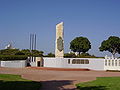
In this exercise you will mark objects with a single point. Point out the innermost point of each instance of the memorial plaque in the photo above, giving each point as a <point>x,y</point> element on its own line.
<point>60,44</point>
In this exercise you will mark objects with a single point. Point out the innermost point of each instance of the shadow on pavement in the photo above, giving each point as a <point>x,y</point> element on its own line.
<point>57,85</point>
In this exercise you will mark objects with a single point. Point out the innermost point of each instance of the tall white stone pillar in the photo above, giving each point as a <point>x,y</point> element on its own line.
<point>59,49</point>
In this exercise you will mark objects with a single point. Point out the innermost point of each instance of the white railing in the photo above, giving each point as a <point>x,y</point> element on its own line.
<point>111,63</point>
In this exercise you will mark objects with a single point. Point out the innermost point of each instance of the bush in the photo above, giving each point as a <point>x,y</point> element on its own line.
<point>19,53</point>
<point>8,51</point>
<point>12,57</point>
<point>50,55</point>
<point>69,55</point>
<point>85,55</point>
<point>82,55</point>
<point>27,52</point>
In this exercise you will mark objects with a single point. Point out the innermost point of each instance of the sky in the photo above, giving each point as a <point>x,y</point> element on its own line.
<point>94,19</point>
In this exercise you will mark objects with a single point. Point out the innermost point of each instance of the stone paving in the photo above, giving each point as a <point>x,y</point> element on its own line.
<point>57,80</point>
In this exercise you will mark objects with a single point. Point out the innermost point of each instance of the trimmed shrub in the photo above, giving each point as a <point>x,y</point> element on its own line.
<point>69,55</point>
<point>12,57</point>
<point>50,55</point>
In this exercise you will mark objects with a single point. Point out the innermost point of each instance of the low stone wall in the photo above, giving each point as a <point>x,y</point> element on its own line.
<point>87,63</point>
<point>33,64</point>
<point>14,64</point>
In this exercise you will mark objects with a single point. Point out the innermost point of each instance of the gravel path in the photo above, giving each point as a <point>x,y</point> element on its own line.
<point>57,80</point>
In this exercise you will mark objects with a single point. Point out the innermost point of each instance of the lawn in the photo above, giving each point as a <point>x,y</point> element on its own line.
<point>15,82</point>
<point>102,83</point>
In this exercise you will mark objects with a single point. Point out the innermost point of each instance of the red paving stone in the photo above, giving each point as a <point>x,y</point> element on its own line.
<point>57,80</point>
<point>59,69</point>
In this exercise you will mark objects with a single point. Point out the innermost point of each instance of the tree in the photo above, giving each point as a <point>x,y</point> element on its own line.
<point>35,53</point>
<point>112,44</point>
<point>26,52</point>
<point>80,44</point>
<point>119,50</point>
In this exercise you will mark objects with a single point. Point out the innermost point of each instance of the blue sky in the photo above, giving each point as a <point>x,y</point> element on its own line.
<point>94,19</point>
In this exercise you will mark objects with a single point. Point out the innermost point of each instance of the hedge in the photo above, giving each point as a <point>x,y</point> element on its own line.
<point>12,57</point>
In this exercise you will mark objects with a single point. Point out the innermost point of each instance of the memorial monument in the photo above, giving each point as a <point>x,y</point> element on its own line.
<point>59,50</point>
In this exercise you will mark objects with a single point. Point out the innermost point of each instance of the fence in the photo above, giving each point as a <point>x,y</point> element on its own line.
<point>111,63</point>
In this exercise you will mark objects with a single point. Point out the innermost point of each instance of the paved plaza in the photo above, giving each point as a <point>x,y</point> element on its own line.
<point>57,80</point>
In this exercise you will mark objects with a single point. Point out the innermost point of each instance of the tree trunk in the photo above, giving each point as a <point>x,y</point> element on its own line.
<point>113,54</point>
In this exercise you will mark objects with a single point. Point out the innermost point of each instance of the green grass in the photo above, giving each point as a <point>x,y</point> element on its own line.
<point>15,82</point>
<point>102,83</point>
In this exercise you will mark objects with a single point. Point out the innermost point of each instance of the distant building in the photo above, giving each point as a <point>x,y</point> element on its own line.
<point>9,46</point>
